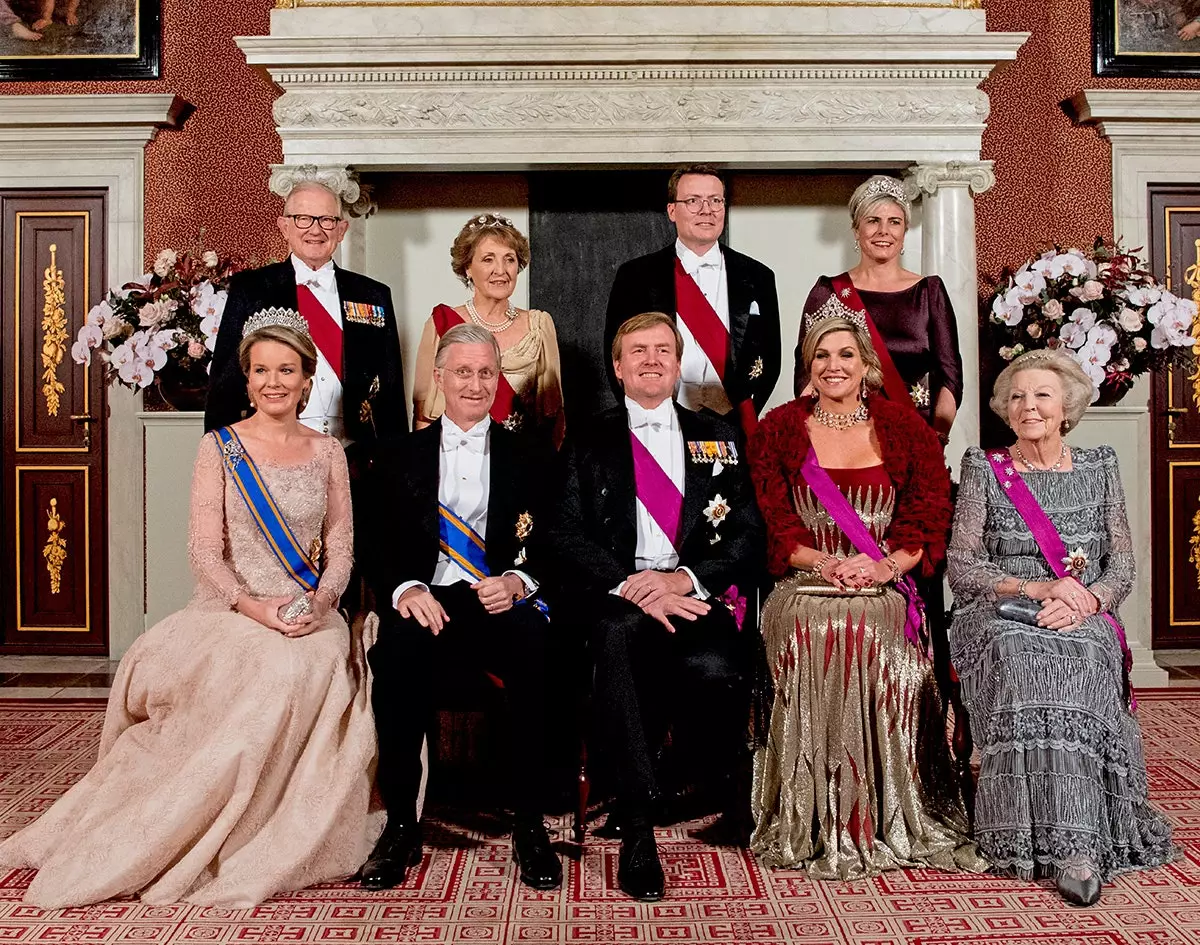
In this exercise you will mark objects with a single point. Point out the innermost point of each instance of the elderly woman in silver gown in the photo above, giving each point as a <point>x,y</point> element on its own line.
<point>1038,644</point>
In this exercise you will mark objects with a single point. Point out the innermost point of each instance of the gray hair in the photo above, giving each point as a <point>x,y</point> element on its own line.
<point>1076,386</point>
<point>465,335</point>
<point>875,190</point>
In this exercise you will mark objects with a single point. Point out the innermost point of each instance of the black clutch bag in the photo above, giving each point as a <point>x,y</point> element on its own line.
<point>1020,609</point>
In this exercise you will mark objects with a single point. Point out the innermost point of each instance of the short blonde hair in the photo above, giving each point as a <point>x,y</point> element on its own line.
<point>462,251</point>
<point>1076,386</point>
<point>641,323</point>
<point>876,190</point>
<point>866,350</point>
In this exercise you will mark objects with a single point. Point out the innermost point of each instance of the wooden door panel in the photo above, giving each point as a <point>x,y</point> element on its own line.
<point>1175,432</point>
<point>52,551</point>
<point>53,555</point>
<point>50,288</point>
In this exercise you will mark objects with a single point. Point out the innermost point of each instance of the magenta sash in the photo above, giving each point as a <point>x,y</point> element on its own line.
<point>843,514</point>
<point>658,493</point>
<point>1049,541</point>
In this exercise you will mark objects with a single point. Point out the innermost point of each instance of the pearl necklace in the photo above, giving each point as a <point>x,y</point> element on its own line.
<point>495,328</point>
<point>1062,456</point>
<point>839,421</point>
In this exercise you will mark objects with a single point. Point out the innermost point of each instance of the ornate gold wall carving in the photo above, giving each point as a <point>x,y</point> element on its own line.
<point>54,329</point>
<point>55,550</point>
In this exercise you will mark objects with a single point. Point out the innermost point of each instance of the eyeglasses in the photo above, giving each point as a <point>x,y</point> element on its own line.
<point>305,220</point>
<point>695,203</point>
<point>465,374</point>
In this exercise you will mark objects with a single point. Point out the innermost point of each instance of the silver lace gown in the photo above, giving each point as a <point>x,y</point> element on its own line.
<point>1062,780</point>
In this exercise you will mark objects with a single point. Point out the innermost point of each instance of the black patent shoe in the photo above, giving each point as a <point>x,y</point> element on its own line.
<point>639,872</point>
<point>537,863</point>
<point>398,848</point>
<point>1078,892</point>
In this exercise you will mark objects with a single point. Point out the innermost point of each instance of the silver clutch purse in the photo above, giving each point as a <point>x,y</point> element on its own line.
<point>296,608</point>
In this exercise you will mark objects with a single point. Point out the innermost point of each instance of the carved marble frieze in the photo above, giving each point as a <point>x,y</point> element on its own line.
<point>663,108</point>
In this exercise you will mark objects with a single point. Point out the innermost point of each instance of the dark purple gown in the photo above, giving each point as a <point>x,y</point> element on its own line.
<point>919,328</point>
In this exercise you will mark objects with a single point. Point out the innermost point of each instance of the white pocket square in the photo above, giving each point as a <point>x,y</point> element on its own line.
<point>717,467</point>
<point>754,308</point>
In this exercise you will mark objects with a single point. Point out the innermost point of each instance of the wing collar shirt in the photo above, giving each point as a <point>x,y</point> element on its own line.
<point>700,384</point>
<point>464,478</point>
<point>324,410</point>
<point>659,432</point>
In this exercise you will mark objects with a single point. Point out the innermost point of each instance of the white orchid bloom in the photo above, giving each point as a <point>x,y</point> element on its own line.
<point>81,353</point>
<point>1102,334</point>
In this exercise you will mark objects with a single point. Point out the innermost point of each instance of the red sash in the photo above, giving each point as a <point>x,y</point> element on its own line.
<point>710,333</point>
<point>326,333</point>
<point>893,384</point>
<point>445,318</point>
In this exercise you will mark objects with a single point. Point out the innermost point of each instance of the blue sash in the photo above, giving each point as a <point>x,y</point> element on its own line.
<point>462,544</point>
<point>265,512</point>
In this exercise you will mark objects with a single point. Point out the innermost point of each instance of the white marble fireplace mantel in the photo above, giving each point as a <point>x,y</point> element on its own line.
<point>507,86</point>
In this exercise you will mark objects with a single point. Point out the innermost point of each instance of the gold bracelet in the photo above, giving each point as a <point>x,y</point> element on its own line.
<point>820,563</point>
<point>897,573</point>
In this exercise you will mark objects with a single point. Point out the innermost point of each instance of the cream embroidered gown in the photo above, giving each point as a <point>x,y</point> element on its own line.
<point>235,762</point>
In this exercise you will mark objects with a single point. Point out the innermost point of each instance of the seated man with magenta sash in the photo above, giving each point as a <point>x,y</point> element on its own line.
<point>657,535</point>
<point>453,509</point>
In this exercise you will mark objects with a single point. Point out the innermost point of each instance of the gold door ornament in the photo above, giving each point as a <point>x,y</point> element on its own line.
<point>54,329</point>
<point>55,551</point>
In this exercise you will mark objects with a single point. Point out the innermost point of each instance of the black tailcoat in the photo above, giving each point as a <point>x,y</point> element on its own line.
<point>593,537</point>
<point>368,352</point>
<point>402,513</point>
<point>647,284</point>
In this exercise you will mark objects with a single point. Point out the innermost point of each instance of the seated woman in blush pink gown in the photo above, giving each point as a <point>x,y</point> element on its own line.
<point>238,748</point>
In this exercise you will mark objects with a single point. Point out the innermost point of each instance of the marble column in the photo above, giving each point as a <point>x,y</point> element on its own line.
<point>948,250</point>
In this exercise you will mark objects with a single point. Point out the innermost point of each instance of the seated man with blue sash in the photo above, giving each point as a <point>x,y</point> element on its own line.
<point>455,517</point>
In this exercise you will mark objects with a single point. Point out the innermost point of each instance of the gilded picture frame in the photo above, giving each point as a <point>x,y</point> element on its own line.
<point>1146,38</point>
<point>79,40</point>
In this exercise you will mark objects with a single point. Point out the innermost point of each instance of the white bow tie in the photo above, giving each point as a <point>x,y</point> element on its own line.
<point>320,278</point>
<point>655,419</point>
<point>472,442</point>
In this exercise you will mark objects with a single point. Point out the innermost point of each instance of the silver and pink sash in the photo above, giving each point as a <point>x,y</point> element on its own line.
<point>844,516</point>
<point>1049,541</point>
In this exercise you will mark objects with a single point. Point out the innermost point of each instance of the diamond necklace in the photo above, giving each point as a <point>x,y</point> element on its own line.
<point>495,328</point>
<point>839,421</point>
<point>1062,456</point>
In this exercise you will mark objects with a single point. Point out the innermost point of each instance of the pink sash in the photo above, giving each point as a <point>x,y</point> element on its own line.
<point>658,493</point>
<point>843,514</point>
<point>1049,541</point>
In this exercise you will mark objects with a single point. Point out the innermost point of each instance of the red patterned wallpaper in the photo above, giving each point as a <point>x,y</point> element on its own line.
<point>1053,178</point>
<point>213,172</point>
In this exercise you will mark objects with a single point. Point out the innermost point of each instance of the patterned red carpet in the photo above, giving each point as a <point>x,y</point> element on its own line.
<point>464,891</point>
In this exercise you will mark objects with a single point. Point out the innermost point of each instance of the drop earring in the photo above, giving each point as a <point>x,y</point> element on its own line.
<point>862,392</point>
<point>857,248</point>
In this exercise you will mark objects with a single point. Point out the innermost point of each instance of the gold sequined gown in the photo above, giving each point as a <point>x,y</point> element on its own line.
<point>235,762</point>
<point>853,779</point>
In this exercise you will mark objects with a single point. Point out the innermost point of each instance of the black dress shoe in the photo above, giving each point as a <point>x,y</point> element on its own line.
<point>398,848</point>
<point>537,863</point>
<point>639,872</point>
<point>1078,892</point>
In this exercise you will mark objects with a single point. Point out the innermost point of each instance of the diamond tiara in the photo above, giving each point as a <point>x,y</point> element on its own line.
<point>269,317</point>
<point>835,308</point>
<point>882,186</point>
<point>489,219</point>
